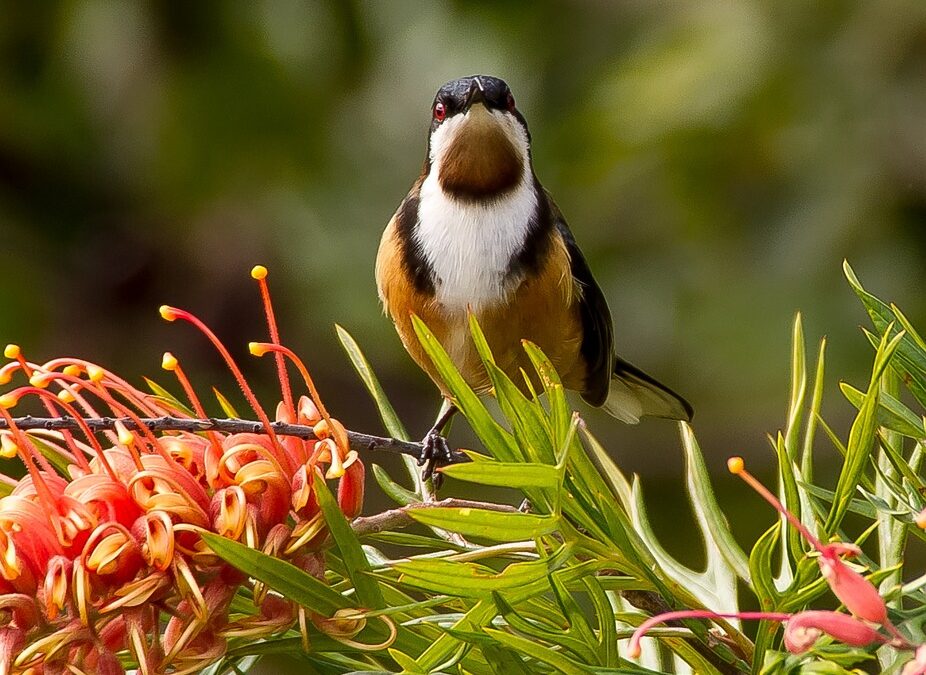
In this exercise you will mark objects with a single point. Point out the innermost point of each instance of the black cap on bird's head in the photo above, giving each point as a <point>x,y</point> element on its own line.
<point>478,139</point>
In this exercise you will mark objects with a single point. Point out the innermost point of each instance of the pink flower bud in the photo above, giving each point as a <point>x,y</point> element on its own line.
<point>350,490</point>
<point>803,629</point>
<point>858,594</point>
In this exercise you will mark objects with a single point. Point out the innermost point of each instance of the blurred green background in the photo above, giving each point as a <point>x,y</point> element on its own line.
<point>716,160</point>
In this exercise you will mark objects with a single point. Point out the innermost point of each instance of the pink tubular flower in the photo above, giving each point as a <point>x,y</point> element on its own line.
<point>804,628</point>
<point>106,556</point>
<point>858,594</point>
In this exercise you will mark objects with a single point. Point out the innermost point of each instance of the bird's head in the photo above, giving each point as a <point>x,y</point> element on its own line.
<point>479,145</point>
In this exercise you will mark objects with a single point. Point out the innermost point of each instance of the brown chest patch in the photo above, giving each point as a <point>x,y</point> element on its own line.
<point>481,160</point>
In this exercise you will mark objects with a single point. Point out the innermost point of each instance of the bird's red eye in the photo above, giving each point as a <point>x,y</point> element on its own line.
<point>510,102</point>
<point>440,111</point>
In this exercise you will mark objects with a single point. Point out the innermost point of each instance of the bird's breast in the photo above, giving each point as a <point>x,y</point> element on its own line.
<point>469,245</point>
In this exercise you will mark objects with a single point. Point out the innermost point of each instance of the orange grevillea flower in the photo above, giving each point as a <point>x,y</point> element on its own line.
<point>100,543</point>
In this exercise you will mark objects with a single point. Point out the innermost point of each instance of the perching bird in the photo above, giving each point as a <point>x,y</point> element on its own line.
<point>477,232</point>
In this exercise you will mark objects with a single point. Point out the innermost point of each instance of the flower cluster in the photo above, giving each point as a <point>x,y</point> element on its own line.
<point>100,543</point>
<point>859,628</point>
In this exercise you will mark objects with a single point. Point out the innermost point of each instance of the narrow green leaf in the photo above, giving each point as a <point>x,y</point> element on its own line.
<point>911,357</point>
<point>393,490</point>
<point>891,413</point>
<point>226,405</point>
<point>798,388</point>
<point>414,540</point>
<point>497,440</point>
<point>861,436</point>
<point>495,525</point>
<point>814,414</point>
<point>506,474</point>
<point>604,613</point>
<point>476,581</point>
<point>479,615</point>
<point>55,458</point>
<point>544,655</point>
<point>164,396</point>
<point>386,412</point>
<point>355,560</point>
<point>503,661</point>
<point>560,411</point>
<point>281,576</point>
<point>760,567</point>
<point>407,663</point>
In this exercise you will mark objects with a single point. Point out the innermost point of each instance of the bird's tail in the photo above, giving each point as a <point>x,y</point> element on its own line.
<point>634,394</point>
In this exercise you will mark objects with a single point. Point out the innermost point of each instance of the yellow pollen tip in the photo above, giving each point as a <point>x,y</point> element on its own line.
<point>95,373</point>
<point>9,401</point>
<point>634,652</point>
<point>257,348</point>
<point>736,465</point>
<point>12,351</point>
<point>259,272</point>
<point>167,312</point>
<point>126,437</point>
<point>169,361</point>
<point>66,396</point>
<point>920,520</point>
<point>39,380</point>
<point>73,370</point>
<point>8,447</point>
<point>5,377</point>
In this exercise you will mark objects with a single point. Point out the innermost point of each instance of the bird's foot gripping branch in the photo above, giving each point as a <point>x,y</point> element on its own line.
<point>147,534</point>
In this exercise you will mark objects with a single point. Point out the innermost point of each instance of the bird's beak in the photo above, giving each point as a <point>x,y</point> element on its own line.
<point>476,94</point>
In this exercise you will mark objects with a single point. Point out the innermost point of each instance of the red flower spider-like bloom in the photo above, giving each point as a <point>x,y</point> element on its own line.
<point>100,546</point>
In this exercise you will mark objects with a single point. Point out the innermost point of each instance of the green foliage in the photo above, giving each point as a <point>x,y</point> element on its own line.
<point>485,588</point>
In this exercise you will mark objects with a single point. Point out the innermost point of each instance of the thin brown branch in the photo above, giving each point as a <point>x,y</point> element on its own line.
<point>358,441</point>
<point>399,517</point>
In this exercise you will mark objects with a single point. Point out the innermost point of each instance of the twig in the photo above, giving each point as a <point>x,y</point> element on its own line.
<point>399,517</point>
<point>358,441</point>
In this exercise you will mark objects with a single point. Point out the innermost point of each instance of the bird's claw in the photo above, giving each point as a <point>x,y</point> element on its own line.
<point>435,452</point>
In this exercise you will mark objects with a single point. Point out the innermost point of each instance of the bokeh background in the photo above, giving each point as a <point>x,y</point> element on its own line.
<point>716,160</point>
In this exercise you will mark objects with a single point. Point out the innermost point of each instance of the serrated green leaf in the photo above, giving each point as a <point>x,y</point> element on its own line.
<point>352,555</point>
<point>713,522</point>
<point>506,474</point>
<point>281,576</point>
<point>226,405</point>
<point>495,525</point>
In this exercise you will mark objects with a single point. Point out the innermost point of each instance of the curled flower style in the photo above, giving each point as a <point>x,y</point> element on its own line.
<point>100,542</point>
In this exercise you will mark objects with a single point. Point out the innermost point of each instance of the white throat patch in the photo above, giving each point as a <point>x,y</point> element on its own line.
<point>470,244</point>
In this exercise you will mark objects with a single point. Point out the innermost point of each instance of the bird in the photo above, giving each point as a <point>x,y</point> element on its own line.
<point>478,233</point>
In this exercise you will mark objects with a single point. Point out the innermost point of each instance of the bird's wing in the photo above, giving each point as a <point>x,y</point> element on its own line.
<point>597,331</point>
